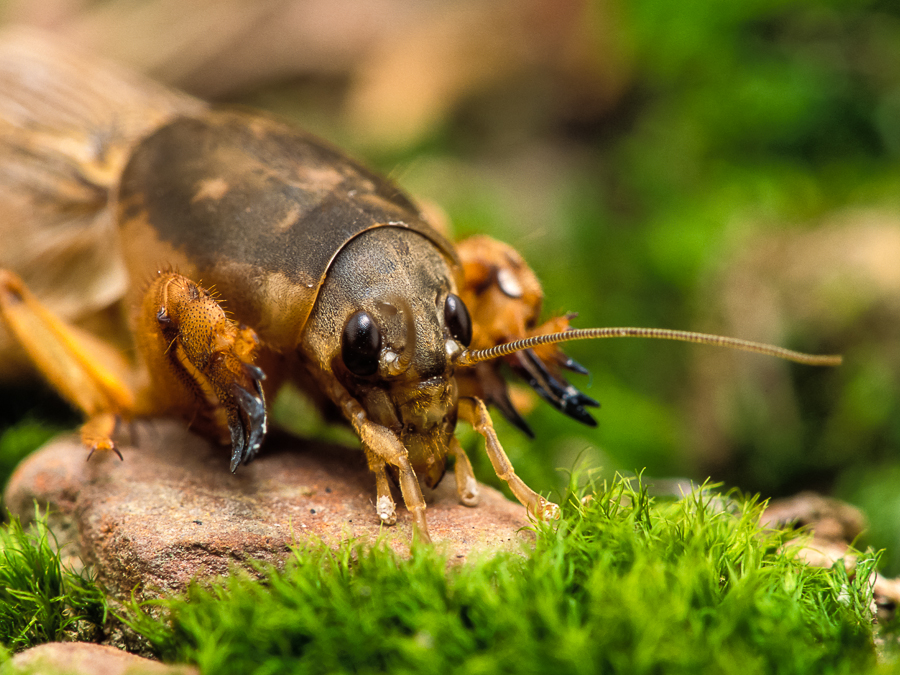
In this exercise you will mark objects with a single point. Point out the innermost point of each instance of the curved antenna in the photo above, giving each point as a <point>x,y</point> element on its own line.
<point>471,357</point>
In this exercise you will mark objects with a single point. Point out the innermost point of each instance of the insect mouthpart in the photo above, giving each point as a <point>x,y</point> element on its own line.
<point>429,420</point>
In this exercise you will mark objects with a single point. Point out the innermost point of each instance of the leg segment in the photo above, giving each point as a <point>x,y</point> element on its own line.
<point>385,445</point>
<point>86,371</point>
<point>466,485</point>
<point>200,362</point>
<point>384,504</point>
<point>474,411</point>
<point>382,447</point>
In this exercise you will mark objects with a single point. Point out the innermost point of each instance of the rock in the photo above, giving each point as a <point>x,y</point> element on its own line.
<point>829,519</point>
<point>172,510</point>
<point>83,658</point>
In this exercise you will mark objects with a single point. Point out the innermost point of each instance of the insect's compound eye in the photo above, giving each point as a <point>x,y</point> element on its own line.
<point>458,321</point>
<point>361,345</point>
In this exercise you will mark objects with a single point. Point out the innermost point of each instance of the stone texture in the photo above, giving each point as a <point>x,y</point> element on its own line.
<point>172,510</point>
<point>83,658</point>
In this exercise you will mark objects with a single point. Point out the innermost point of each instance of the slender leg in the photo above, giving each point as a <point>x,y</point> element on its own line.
<point>474,411</point>
<point>85,370</point>
<point>382,446</point>
<point>384,504</point>
<point>466,485</point>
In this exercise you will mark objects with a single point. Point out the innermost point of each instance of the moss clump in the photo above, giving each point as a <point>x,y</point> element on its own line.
<point>41,600</point>
<point>621,583</point>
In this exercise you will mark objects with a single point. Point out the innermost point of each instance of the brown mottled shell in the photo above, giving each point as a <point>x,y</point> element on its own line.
<point>256,209</point>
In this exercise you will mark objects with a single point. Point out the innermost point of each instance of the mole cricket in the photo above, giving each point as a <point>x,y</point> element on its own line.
<point>230,253</point>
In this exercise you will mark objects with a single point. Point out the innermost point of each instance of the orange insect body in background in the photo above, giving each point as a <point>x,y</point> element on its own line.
<point>331,277</point>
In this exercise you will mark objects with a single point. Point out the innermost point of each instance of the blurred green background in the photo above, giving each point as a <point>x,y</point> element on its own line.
<point>728,167</point>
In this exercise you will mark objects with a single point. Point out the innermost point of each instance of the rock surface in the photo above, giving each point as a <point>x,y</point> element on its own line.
<point>830,519</point>
<point>172,510</point>
<point>83,658</point>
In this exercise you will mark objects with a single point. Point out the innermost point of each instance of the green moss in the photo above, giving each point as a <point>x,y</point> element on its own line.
<point>620,584</point>
<point>41,600</point>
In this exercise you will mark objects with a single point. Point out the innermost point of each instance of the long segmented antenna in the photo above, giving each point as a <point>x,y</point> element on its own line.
<point>471,357</point>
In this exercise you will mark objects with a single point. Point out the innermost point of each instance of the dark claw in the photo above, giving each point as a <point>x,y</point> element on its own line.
<point>114,449</point>
<point>571,364</point>
<point>257,373</point>
<point>237,441</point>
<point>584,399</point>
<point>495,391</point>
<point>248,424</point>
<point>560,394</point>
<point>256,412</point>
<point>506,408</point>
<point>253,410</point>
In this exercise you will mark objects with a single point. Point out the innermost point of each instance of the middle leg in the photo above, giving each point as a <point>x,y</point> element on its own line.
<point>382,447</point>
<point>474,411</point>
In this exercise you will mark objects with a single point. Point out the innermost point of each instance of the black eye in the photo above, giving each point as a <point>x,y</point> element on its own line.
<point>361,345</point>
<point>456,316</point>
